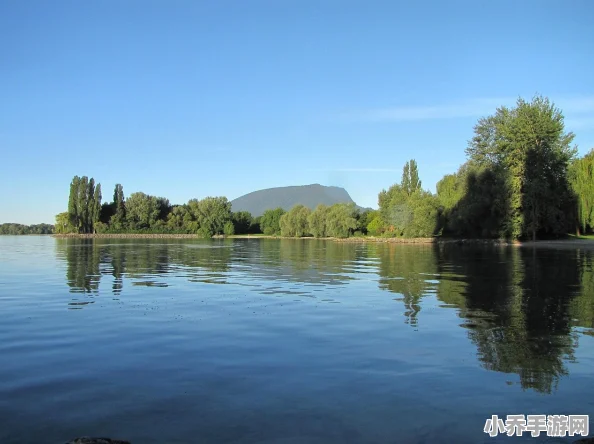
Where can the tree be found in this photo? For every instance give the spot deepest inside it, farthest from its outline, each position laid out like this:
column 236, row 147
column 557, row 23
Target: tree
column 376, row 226
column 83, row 204
column 118, row 219
column 317, row 221
column 581, row 177
column 340, row 220
column 394, row 210
column 270, row 221
column 255, row 225
column 364, row 218
column 142, row 211
column 96, row 204
column 90, row 206
column 228, row 229
column 73, row 208
column 211, row 213
column 424, row 215
column 529, row 145
column 179, row 220
column 450, row 190
column 295, row 222
column 474, row 201
column 64, row 224
column 410, row 177
column 406, row 209
column 164, row 208
column 242, row 220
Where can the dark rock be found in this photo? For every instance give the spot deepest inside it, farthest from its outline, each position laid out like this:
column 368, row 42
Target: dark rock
column 88, row 440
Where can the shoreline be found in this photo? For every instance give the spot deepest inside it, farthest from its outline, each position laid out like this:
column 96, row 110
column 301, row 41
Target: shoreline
column 556, row 243
column 367, row 239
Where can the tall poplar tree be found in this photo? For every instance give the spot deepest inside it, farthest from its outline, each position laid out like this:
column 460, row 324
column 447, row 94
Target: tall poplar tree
column 73, row 209
column 119, row 204
column 96, row 205
column 90, row 206
column 84, row 204
column 410, row 177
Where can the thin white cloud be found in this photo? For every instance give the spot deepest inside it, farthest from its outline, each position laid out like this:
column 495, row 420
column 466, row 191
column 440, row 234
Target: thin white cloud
column 357, row 170
column 468, row 108
column 570, row 105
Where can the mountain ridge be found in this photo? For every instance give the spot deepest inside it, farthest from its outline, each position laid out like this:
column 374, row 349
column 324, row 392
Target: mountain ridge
column 256, row 202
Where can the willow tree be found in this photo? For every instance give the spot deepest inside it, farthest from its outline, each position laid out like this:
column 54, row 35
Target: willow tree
column 317, row 221
column 581, row 176
column 295, row 222
column 63, row 224
column 341, row 220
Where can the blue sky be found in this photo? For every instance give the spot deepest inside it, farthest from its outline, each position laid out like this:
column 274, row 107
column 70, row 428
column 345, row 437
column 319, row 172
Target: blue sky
column 187, row 99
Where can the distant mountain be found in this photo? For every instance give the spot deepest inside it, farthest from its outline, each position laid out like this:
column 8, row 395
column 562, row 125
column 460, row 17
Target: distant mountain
column 287, row 197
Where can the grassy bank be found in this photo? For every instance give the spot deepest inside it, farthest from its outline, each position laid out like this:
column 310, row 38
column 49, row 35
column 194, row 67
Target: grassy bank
column 581, row 237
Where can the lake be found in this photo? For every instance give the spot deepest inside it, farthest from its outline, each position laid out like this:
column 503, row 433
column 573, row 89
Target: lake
column 288, row 341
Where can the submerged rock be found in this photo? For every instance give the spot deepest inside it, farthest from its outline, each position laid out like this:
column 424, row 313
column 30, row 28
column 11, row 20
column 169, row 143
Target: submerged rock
column 88, row 440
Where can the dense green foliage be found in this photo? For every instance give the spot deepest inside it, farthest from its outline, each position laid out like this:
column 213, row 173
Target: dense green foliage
column 521, row 180
column 270, row 221
column 14, row 229
column 295, row 222
column 143, row 213
column 405, row 209
column 317, row 221
column 341, row 220
column 529, row 151
column 242, row 222
column 473, row 202
column 581, row 177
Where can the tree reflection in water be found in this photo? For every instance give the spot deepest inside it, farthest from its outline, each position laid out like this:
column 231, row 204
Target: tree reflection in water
column 523, row 308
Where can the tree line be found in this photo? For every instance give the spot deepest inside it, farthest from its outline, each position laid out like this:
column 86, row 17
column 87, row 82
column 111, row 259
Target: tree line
column 17, row 229
column 522, row 180
column 143, row 213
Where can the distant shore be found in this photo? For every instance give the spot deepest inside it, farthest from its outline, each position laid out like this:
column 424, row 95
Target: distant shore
column 570, row 243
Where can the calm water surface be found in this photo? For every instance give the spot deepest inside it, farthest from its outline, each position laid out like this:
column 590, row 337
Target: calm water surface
column 290, row 341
